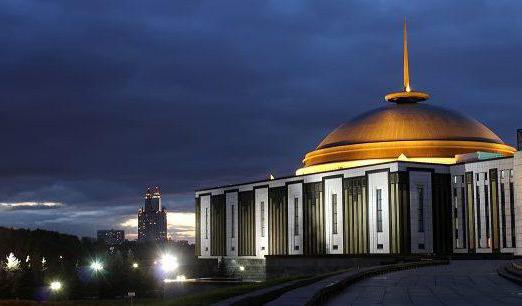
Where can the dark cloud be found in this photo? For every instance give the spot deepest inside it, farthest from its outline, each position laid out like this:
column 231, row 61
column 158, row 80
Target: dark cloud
column 101, row 98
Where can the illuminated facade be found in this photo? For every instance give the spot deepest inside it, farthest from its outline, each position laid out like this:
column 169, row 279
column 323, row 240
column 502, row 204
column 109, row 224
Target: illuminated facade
column 152, row 218
column 111, row 237
column 406, row 178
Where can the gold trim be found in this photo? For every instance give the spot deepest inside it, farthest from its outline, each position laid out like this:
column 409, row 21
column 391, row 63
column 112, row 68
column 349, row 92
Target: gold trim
column 368, row 162
column 406, row 96
column 411, row 149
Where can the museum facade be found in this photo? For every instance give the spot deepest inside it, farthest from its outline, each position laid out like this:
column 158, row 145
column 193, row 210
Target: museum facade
column 406, row 178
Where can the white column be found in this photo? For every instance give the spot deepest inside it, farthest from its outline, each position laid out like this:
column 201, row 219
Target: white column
column 333, row 190
column 231, row 199
column 295, row 231
column 261, row 202
column 379, row 240
column 205, row 225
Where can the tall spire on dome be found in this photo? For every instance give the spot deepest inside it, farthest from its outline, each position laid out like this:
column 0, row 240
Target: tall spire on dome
column 406, row 71
column 407, row 95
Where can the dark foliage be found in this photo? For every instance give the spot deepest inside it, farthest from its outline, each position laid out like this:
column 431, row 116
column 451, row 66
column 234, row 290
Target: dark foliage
column 68, row 259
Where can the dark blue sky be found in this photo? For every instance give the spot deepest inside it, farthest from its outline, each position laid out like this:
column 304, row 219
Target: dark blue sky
column 100, row 98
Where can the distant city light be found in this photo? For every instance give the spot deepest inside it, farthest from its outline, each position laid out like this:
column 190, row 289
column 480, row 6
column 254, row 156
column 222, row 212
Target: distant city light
column 56, row 286
column 96, row 266
column 168, row 263
column 135, row 265
column 241, row 268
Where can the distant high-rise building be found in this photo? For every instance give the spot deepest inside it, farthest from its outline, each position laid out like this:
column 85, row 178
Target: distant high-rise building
column 152, row 218
column 111, row 237
column 519, row 139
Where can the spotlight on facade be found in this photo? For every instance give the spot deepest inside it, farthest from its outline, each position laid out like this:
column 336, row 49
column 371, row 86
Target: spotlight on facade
column 96, row 266
column 241, row 268
column 56, row 286
column 135, row 265
column 168, row 263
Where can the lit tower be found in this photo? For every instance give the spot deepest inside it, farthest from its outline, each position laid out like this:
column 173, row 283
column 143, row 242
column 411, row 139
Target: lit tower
column 152, row 218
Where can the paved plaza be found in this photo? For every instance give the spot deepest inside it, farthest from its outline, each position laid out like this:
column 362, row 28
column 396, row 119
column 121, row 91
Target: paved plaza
column 470, row 282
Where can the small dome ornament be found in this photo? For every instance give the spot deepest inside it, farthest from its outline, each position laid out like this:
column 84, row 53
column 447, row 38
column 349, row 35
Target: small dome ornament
column 407, row 95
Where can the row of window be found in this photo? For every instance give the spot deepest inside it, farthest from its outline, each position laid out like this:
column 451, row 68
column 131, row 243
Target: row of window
column 378, row 201
column 486, row 209
column 503, row 174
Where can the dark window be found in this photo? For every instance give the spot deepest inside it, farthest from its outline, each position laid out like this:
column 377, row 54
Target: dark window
column 206, row 223
column 233, row 225
column 379, row 246
column 486, row 210
column 420, row 210
column 262, row 219
column 334, row 213
column 421, row 246
column 296, row 248
column 335, row 247
column 378, row 201
column 479, row 219
column 512, row 211
column 503, row 213
column 464, row 229
column 296, row 217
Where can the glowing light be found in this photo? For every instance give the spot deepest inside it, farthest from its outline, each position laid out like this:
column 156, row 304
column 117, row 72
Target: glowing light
column 181, row 278
column 13, row 263
column 135, row 265
column 56, row 286
column 168, row 263
column 241, row 268
column 358, row 163
column 96, row 266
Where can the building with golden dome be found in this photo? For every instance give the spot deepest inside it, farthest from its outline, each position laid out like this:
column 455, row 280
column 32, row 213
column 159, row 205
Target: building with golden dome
column 406, row 178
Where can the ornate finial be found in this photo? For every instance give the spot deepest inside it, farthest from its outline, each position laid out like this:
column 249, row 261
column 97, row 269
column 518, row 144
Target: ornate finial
column 407, row 95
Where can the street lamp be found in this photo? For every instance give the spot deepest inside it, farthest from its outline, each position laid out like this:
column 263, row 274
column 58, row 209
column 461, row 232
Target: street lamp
column 96, row 266
column 56, row 286
column 135, row 265
column 168, row 263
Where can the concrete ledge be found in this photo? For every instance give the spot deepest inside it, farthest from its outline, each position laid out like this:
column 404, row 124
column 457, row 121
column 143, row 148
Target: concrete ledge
column 262, row 296
column 511, row 272
column 327, row 292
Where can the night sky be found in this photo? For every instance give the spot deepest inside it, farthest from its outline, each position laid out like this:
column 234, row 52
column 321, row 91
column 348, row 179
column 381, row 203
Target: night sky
column 101, row 98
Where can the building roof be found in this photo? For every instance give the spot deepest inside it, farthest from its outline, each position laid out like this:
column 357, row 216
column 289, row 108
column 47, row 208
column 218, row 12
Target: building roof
column 409, row 121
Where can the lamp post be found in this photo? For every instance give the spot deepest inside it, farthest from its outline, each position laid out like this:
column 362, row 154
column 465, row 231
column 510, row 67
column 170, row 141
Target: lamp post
column 96, row 267
column 55, row 287
column 168, row 264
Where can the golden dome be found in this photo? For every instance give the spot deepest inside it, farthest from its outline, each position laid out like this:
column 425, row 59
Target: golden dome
column 416, row 130
column 406, row 129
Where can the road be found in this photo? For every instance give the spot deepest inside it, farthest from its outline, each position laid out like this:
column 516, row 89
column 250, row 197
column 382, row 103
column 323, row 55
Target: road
column 471, row 282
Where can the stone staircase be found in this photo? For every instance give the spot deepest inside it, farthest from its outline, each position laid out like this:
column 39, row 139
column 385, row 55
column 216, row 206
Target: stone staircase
column 512, row 271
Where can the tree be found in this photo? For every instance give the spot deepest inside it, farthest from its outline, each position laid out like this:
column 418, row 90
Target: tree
column 12, row 264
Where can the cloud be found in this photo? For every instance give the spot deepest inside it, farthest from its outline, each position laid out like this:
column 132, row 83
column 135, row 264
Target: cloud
column 100, row 99
column 31, row 205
